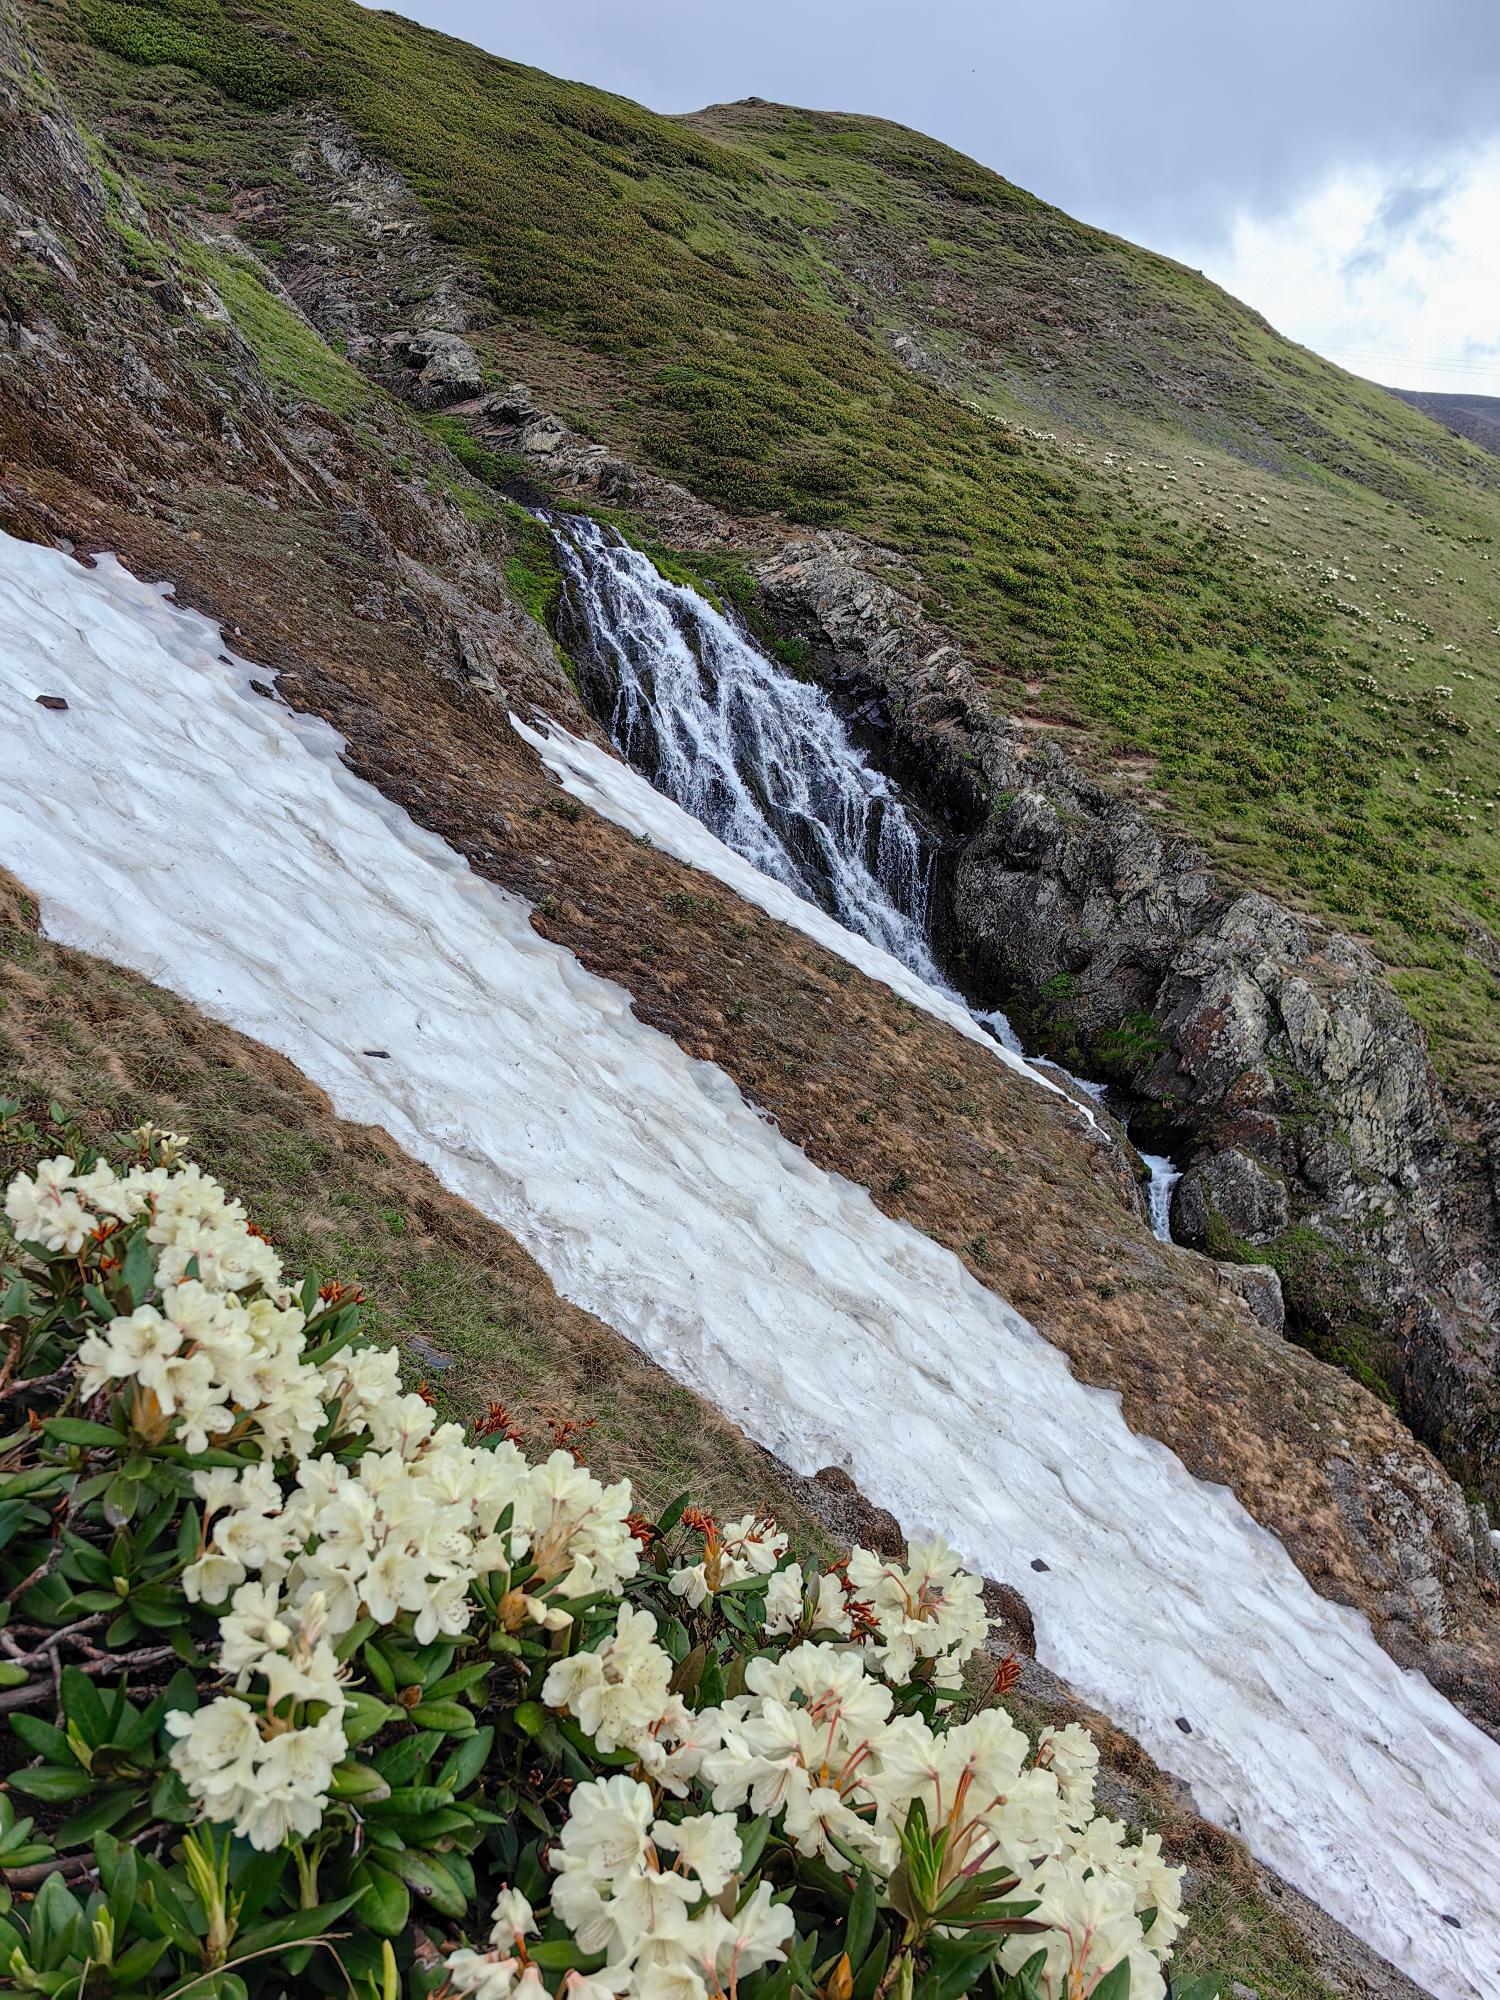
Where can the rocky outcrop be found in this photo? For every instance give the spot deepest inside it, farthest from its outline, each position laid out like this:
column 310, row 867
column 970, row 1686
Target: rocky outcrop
column 431, row 369
column 1259, row 1285
column 1270, row 1050
column 371, row 271
column 1248, row 1199
column 568, row 463
column 1266, row 1050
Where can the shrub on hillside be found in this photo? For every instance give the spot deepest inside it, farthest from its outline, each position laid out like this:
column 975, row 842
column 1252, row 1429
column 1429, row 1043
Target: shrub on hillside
column 308, row 1691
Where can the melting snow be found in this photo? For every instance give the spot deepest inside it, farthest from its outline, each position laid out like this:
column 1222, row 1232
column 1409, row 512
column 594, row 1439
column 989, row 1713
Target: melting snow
column 621, row 794
column 178, row 823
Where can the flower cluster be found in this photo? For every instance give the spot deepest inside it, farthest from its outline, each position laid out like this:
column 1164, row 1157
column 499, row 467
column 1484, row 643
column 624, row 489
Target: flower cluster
column 225, row 1341
column 408, row 1528
column 745, row 1549
column 925, row 1614
column 621, row 1695
column 815, row 1743
column 926, row 1609
column 668, row 1932
column 684, row 1746
column 267, row 1772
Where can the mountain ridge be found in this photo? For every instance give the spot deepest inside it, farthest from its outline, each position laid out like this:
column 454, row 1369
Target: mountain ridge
column 1473, row 417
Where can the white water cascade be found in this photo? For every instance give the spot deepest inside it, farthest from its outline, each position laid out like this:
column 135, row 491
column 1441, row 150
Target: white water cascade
column 176, row 822
column 764, row 761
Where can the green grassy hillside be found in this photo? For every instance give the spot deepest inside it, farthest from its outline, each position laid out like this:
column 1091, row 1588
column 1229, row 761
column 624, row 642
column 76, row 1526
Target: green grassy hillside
column 1259, row 587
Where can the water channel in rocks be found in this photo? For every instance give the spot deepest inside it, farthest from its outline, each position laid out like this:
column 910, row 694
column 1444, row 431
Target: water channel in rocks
column 765, row 762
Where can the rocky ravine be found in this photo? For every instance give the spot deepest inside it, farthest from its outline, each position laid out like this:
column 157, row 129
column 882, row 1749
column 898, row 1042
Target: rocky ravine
column 1280, row 1063
column 1271, row 1055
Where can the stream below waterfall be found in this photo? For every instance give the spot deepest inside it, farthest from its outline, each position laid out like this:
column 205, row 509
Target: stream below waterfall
column 765, row 762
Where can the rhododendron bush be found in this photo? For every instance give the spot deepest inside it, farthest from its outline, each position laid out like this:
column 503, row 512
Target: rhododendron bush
column 310, row 1691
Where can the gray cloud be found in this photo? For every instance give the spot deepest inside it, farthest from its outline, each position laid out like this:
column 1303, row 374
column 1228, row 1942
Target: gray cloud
column 1157, row 119
column 1395, row 222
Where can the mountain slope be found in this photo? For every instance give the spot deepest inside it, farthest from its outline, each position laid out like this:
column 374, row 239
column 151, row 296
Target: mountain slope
column 167, row 393
column 1473, row 417
column 1293, row 634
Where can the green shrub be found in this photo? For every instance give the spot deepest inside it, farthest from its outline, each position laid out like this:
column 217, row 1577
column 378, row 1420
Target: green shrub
column 298, row 1679
column 250, row 68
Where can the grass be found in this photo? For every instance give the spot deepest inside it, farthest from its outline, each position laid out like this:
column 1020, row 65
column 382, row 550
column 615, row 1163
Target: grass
column 291, row 355
column 246, row 66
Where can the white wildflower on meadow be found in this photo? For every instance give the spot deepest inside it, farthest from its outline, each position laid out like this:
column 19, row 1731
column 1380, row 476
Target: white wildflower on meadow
column 788, row 1610
column 1073, row 1756
column 1092, row 1926
column 510, row 1919
column 784, row 1606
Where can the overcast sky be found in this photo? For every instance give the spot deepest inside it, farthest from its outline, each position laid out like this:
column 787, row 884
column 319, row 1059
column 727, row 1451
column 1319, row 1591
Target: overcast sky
column 1334, row 162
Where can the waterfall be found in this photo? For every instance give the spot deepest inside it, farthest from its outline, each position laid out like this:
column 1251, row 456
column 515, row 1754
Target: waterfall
column 762, row 760
column 759, row 758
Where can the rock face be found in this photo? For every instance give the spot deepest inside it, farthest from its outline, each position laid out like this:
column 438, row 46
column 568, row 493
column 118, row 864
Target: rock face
column 1260, row 1287
column 1271, row 1049
column 1273, row 1057
column 1248, row 1199
column 431, row 369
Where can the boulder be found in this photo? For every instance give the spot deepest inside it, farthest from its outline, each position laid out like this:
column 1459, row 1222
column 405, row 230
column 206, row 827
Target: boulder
column 838, row 1503
column 1015, row 1628
column 1260, row 1287
column 431, row 369
column 1251, row 1200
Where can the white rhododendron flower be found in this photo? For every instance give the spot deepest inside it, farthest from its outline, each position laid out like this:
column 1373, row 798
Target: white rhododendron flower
column 45, row 1207
column 666, row 1925
column 930, row 1609
column 749, row 1547
column 347, row 1502
column 618, row 1692
column 268, row 1771
column 1092, row 1926
column 1073, row 1756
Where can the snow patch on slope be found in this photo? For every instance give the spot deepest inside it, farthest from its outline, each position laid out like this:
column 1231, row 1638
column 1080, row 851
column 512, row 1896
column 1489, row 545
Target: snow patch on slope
column 622, row 795
column 179, row 824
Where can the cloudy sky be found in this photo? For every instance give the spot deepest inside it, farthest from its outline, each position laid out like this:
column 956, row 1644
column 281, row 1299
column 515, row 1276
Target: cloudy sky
column 1334, row 162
